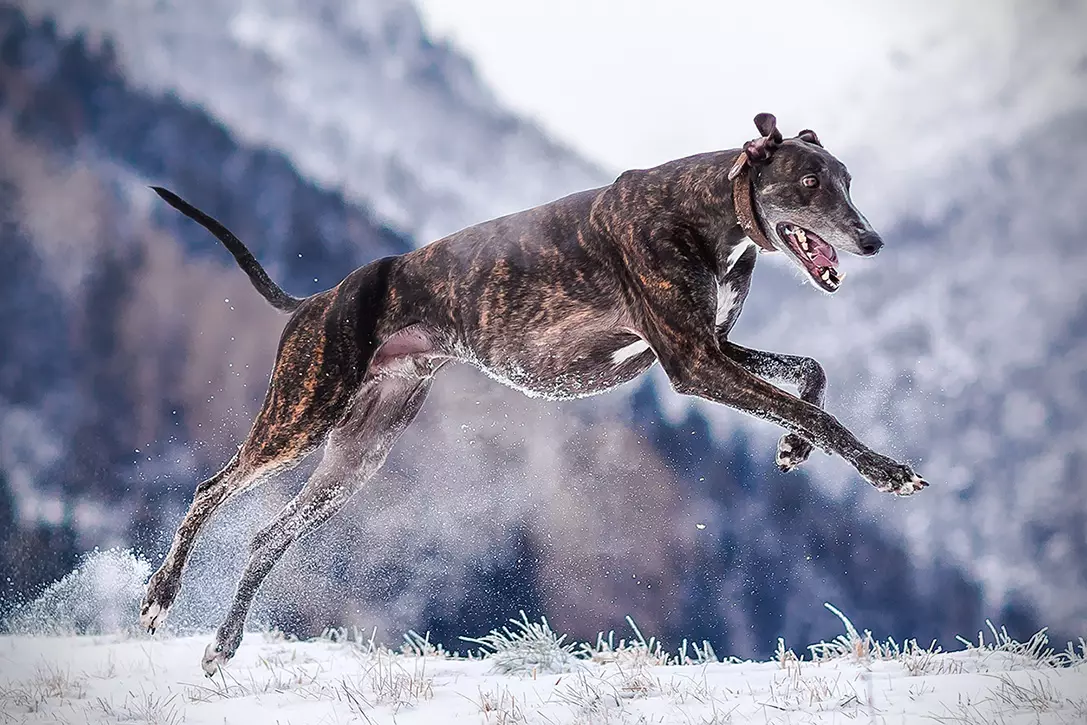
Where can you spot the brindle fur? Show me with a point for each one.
(540, 300)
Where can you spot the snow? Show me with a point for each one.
(74, 656)
(86, 679)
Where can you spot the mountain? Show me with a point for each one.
(133, 355)
(355, 94)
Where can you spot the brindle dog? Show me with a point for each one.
(568, 299)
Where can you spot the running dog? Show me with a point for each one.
(564, 300)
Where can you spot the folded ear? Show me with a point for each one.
(767, 124)
(808, 135)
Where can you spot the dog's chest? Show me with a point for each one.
(729, 302)
(733, 287)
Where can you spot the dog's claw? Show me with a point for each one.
(889, 476)
(916, 483)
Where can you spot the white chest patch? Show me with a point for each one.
(726, 298)
(726, 294)
(626, 352)
(736, 252)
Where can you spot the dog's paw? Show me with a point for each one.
(156, 604)
(152, 615)
(889, 476)
(221, 651)
(215, 657)
(792, 451)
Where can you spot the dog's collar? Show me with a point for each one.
(743, 198)
(757, 151)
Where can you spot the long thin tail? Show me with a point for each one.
(260, 279)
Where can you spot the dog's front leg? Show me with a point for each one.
(676, 316)
(803, 372)
(678, 323)
(710, 374)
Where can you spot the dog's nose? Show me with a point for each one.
(870, 243)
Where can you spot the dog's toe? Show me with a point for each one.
(791, 452)
(915, 484)
(152, 615)
(214, 659)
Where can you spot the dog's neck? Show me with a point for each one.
(691, 194)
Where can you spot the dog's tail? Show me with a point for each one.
(260, 279)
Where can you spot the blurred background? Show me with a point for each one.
(326, 133)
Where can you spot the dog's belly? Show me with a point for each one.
(573, 368)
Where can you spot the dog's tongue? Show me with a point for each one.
(824, 254)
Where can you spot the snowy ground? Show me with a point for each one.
(531, 676)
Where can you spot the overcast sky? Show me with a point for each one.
(897, 89)
(636, 82)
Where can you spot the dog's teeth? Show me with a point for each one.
(802, 236)
(803, 245)
(825, 276)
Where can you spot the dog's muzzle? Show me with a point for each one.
(818, 258)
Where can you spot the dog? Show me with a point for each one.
(567, 299)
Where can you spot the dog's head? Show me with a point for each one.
(801, 197)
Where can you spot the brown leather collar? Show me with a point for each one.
(743, 191)
(757, 151)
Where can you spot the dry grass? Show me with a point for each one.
(500, 707)
(610, 681)
(1010, 701)
(593, 699)
(386, 681)
(933, 660)
(794, 690)
(417, 645)
(283, 671)
(530, 647)
(47, 684)
(143, 708)
(1033, 653)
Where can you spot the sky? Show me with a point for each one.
(637, 82)
(894, 88)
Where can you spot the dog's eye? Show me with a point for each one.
(811, 181)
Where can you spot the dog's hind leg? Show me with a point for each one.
(355, 451)
(308, 395)
(803, 372)
(164, 584)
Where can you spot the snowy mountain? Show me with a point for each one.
(328, 134)
(354, 93)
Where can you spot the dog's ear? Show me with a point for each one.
(767, 124)
(760, 150)
(808, 135)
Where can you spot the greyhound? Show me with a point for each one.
(564, 300)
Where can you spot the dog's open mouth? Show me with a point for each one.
(816, 256)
